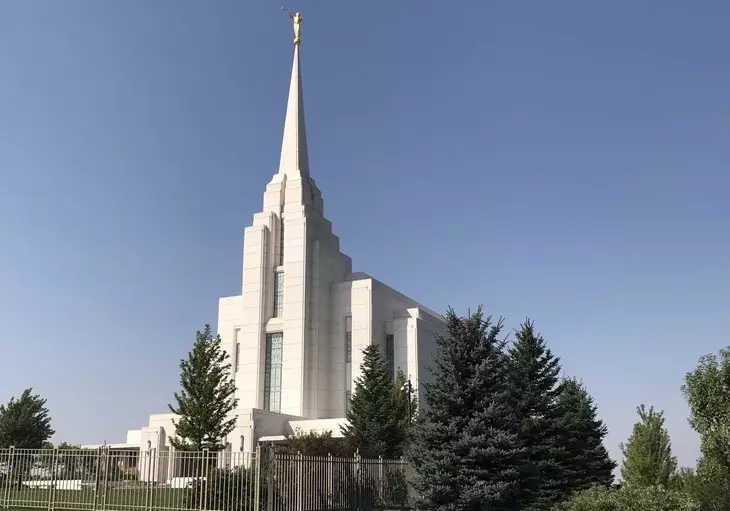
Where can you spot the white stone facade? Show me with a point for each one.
(296, 332)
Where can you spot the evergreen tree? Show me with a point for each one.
(584, 460)
(205, 403)
(464, 448)
(372, 426)
(25, 423)
(648, 459)
(535, 372)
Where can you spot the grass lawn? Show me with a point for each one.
(121, 499)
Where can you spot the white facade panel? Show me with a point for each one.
(328, 315)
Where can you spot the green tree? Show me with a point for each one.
(464, 447)
(405, 403)
(685, 479)
(710, 495)
(372, 426)
(710, 486)
(313, 443)
(648, 459)
(584, 460)
(25, 423)
(535, 373)
(707, 391)
(629, 498)
(205, 403)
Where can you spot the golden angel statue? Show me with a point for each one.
(296, 19)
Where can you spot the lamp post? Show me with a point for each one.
(408, 389)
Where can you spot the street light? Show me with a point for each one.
(408, 389)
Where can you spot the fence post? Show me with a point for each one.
(148, 476)
(203, 480)
(358, 481)
(9, 479)
(96, 477)
(154, 478)
(381, 484)
(54, 467)
(330, 482)
(299, 480)
(406, 496)
(106, 477)
(270, 479)
(257, 480)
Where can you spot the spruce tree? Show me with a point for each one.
(464, 448)
(584, 460)
(372, 426)
(205, 403)
(535, 372)
(648, 459)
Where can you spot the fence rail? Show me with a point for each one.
(108, 479)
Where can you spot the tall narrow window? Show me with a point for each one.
(278, 293)
(272, 372)
(348, 339)
(237, 345)
(389, 355)
(281, 241)
(348, 398)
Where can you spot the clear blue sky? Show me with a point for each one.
(566, 161)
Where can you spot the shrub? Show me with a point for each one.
(602, 498)
(222, 490)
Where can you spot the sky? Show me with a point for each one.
(565, 161)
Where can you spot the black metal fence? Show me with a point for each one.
(167, 480)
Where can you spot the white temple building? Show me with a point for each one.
(296, 332)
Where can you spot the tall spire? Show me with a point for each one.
(294, 157)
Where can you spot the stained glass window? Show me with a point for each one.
(272, 372)
(348, 339)
(281, 242)
(278, 293)
(237, 360)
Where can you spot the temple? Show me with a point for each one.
(296, 332)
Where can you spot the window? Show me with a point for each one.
(272, 372)
(281, 241)
(348, 339)
(348, 398)
(278, 293)
(237, 354)
(389, 355)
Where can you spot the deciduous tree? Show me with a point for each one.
(707, 390)
(206, 400)
(648, 459)
(405, 403)
(25, 423)
(314, 444)
(628, 498)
